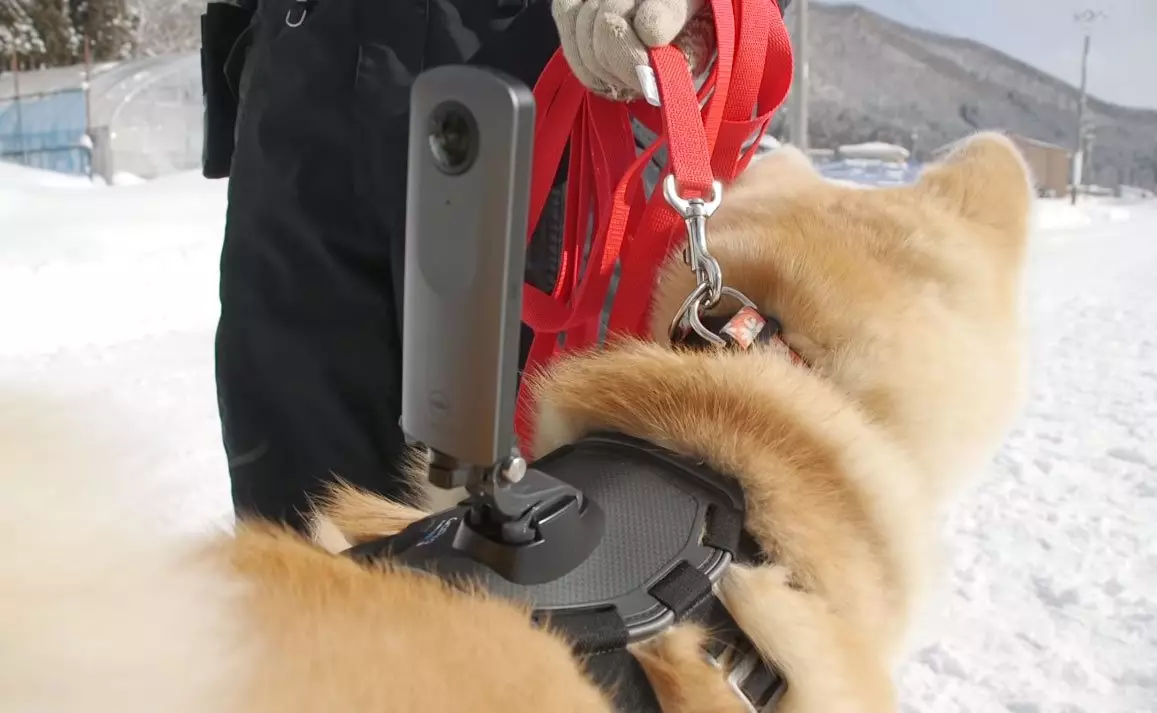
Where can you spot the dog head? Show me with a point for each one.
(905, 298)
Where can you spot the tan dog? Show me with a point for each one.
(905, 303)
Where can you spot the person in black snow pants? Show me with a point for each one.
(307, 113)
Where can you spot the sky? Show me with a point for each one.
(1123, 62)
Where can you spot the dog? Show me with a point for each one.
(904, 304)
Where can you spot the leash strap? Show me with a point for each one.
(710, 136)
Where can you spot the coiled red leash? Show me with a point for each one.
(705, 134)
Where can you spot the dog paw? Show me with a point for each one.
(605, 40)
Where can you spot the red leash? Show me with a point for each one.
(605, 196)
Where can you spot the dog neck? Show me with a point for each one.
(795, 443)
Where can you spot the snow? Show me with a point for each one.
(1058, 214)
(876, 150)
(1049, 603)
(1051, 606)
(109, 302)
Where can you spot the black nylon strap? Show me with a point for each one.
(599, 637)
(590, 631)
(763, 685)
(682, 588)
(750, 552)
(724, 529)
(620, 674)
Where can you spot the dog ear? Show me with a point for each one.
(783, 171)
(985, 180)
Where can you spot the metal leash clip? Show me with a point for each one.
(710, 290)
(695, 212)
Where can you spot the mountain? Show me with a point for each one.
(876, 79)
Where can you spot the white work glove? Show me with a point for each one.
(605, 40)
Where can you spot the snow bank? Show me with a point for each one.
(124, 178)
(84, 264)
(874, 150)
(14, 176)
(1059, 214)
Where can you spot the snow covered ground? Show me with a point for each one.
(108, 301)
(107, 309)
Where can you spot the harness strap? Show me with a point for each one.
(704, 134)
(599, 637)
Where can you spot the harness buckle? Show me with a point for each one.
(741, 662)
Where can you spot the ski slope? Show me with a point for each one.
(1049, 604)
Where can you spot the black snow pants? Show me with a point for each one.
(308, 346)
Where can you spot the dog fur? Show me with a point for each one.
(904, 301)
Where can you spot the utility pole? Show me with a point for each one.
(798, 121)
(1086, 18)
(88, 142)
(87, 86)
(1090, 141)
(17, 102)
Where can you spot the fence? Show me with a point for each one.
(47, 130)
(144, 117)
(154, 113)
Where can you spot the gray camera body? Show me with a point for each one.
(471, 141)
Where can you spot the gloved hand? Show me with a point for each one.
(605, 40)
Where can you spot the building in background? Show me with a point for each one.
(1050, 163)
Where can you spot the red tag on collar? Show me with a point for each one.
(744, 328)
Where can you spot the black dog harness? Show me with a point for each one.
(672, 527)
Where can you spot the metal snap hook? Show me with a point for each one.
(695, 212)
(688, 207)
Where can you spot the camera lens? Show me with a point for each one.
(453, 138)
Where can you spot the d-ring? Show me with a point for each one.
(691, 312)
(296, 23)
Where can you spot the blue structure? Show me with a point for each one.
(871, 172)
(46, 131)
